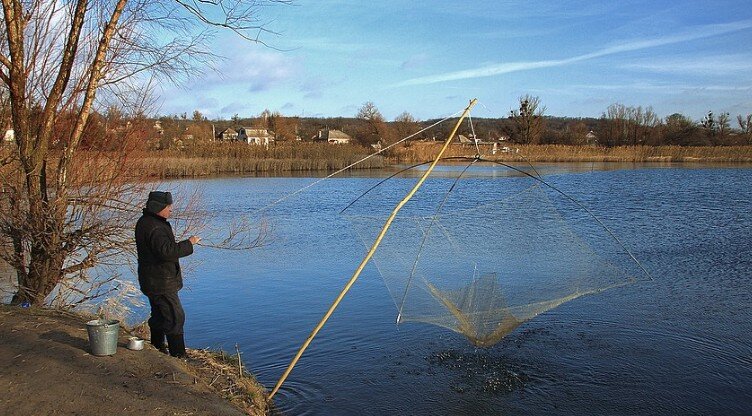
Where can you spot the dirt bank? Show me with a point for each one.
(46, 369)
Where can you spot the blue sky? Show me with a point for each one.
(430, 57)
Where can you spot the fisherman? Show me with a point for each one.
(159, 272)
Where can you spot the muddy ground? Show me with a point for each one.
(46, 369)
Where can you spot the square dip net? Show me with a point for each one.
(482, 248)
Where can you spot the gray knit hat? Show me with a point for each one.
(158, 200)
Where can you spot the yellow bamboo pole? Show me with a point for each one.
(371, 252)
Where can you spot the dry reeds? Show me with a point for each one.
(418, 152)
(238, 158)
(220, 372)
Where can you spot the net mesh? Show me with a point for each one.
(482, 250)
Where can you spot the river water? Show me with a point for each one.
(680, 344)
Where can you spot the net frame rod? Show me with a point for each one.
(371, 252)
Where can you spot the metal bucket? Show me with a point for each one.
(103, 336)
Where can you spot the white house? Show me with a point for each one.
(10, 136)
(332, 137)
(255, 136)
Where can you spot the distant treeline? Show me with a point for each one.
(619, 125)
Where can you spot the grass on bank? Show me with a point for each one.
(302, 157)
(285, 157)
(226, 374)
(241, 158)
(417, 152)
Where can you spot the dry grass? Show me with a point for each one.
(239, 158)
(418, 152)
(221, 372)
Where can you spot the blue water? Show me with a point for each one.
(678, 345)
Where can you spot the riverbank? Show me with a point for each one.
(46, 369)
(422, 151)
(328, 158)
(302, 158)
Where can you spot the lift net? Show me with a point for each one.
(482, 250)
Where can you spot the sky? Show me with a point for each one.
(430, 58)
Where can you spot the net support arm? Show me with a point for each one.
(371, 251)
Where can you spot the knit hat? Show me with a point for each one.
(158, 200)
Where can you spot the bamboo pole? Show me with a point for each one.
(371, 252)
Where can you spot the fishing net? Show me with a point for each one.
(481, 249)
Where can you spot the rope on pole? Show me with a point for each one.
(370, 253)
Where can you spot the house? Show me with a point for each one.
(332, 137)
(591, 138)
(461, 138)
(255, 136)
(10, 136)
(227, 135)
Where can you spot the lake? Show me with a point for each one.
(680, 344)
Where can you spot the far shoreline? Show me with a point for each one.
(182, 165)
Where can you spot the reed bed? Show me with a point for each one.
(225, 374)
(418, 152)
(242, 159)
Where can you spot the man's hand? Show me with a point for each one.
(194, 239)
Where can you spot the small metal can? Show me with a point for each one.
(135, 344)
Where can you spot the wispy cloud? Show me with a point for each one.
(252, 70)
(415, 61)
(716, 65)
(326, 45)
(628, 46)
(314, 87)
(670, 89)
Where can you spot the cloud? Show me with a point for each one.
(650, 87)
(635, 45)
(233, 108)
(718, 65)
(415, 61)
(314, 87)
(253, 70)
(326, 45)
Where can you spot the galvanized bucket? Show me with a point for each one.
(103, 336)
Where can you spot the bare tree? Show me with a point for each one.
(616, 120)
(745, 124)
(59, 61)
(576, 133)
(630, 126)
(285, 128)
(724, 125)
(368, 111)
(529, 124)
(376, 128)
(405, 124)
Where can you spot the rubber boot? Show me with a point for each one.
(177, 345)
(158, 340)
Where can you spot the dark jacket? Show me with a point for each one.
(158, 254)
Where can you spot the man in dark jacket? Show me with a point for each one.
(159, 272)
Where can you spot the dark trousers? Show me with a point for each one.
(167, 320)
